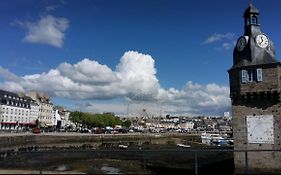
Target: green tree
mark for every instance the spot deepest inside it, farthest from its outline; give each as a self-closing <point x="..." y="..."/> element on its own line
<point x="126" y="124"/>
<point x="76" y="117"/>
<point x="94" y="120"/>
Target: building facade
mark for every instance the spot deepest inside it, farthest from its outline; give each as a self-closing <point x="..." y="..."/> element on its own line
<point x="61" y="117"/>
<point x="15" y="111"/>
<point x="18" y="111"/>
<point x="255" y="81"/>
<point x="45" y="115"/>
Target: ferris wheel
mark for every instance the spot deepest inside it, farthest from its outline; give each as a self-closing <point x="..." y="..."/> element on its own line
<point x="139" y="105"/>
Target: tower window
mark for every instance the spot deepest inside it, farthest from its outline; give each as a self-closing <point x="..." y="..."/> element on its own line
<point x="251" y="75"/>
<point x="259" y="74"/>
<point x="254" y="20"/>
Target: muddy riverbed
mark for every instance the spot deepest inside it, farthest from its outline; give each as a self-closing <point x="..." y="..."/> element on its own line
<point x="160" y="156"/>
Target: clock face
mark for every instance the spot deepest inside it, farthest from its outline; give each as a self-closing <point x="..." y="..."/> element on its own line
<point x="262" y="41"/>
<point x="241" y="43"/>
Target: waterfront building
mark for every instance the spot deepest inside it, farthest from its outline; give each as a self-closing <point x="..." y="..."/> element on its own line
<point x="61" y="117"/>
<point x="255" y="86"/>
<point x="57" y="118"/>
<point x="226" y="114"/>
<point x="34" y="110"/>
<point x="15" y="110"/>
<point x="187" y="125"/>
<point x="45" y="115"/>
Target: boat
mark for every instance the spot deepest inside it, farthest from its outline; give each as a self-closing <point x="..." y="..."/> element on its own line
<point x="183" y="146"/>
<point x="230" y="142"/>
<point x="123" y="146"/>
<point x="36" y="130"/>
<point x="213" y="138"/>
<point x="220" y="141"/>
<point x="207" y="137"/>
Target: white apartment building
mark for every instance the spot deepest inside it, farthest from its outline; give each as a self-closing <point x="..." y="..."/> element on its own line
<point x="34" y="111"/>
<point x="187" y="125"/>
<point x="14" y="111"/>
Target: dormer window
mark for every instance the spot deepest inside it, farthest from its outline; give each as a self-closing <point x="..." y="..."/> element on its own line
<point x="251" y="75"/>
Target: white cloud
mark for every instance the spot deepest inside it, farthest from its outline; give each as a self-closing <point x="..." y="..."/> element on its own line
<point x="217" y="37"/>
<point x="134" y="80"/>
<point x="51" y="7"/>
<point x="48" y="30"/>
<point x="88" y="72"/>
<point x="11" y="86"/>
<point x="197" y="99"/>
<point x="7" y="75"/>
<point x="226" y="46"/>
<point x="137" y="73"/>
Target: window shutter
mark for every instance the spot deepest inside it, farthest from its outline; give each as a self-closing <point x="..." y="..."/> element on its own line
<point x="259" y="74"/>
<point x="244" y="76"/>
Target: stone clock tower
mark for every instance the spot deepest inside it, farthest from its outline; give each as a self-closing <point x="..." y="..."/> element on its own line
<point x="255" y="83"/>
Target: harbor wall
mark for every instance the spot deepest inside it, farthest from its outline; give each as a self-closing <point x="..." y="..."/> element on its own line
<point x="18" y="140"/>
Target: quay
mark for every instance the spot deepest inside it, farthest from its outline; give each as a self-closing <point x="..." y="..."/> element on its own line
<point x="14" y="140"/>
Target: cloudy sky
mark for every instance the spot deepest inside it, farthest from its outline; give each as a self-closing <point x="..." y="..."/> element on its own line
<point x="167" y="56"/>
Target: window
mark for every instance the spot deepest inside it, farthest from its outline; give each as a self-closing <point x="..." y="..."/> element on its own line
<point x="254" y="20"/>
<point x="244" y="75"/>
<point x="259" y="74"/>
<point x="251" y="75"/>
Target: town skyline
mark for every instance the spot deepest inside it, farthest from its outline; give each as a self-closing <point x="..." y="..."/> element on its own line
<point x="108" y="56"/>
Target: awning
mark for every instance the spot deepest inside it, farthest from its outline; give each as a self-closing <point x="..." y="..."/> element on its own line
<point x="8" y="123"/>
<point x="15" y="123"/>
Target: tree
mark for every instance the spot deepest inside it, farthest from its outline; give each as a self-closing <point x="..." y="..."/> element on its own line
<point x="94" y="120"/>
<point x="127" y="124"/>
<point x="76" y="117"/>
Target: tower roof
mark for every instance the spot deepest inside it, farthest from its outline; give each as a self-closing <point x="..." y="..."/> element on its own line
<point x="251" y="10"/>
<point x="253" y="53"/>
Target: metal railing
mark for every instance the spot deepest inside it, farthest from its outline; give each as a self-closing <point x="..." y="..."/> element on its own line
<point x="195" y="161"/>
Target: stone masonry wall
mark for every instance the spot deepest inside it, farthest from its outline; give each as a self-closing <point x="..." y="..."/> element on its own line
<point x="256" y="98"/>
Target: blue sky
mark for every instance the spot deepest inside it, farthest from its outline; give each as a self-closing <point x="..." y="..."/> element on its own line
<point x="175" y="51"/>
